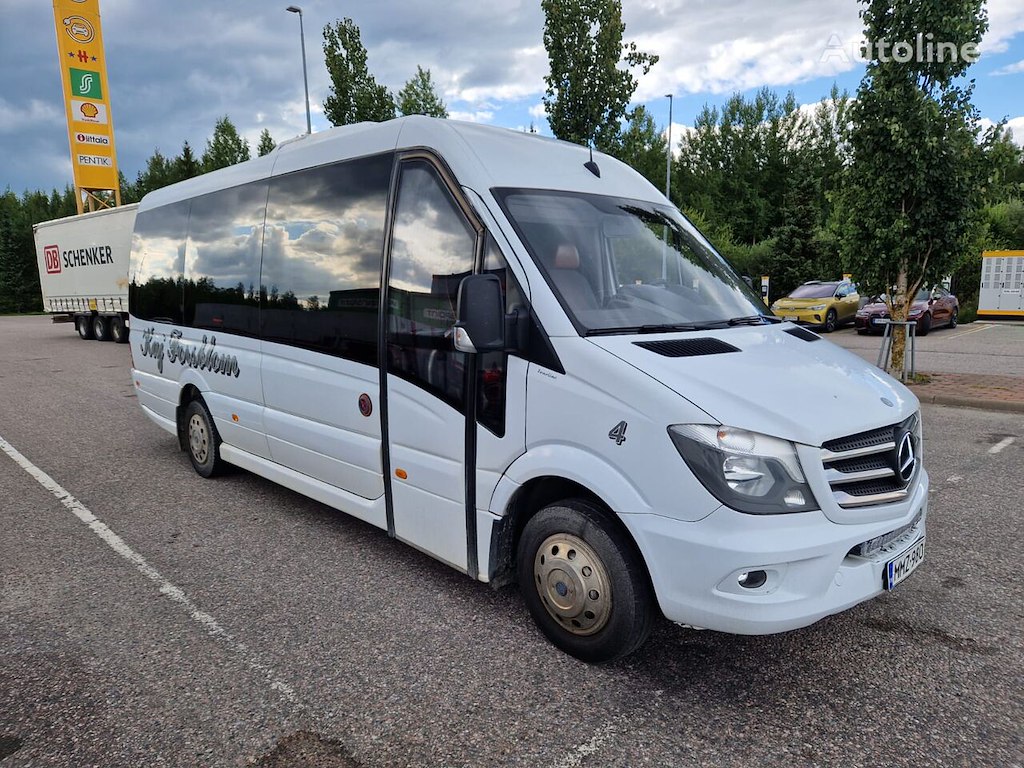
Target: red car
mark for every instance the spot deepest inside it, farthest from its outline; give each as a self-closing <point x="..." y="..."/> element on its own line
<point x="930" y="309"/>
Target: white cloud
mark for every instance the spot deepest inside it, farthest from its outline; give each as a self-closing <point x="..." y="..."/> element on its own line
<point x="1005" y="20"/>
<point x="14" y="117"/>
<point x="1016" y="126"/>
<point x="1011" y="69"/>
<point x="482" y="116"/>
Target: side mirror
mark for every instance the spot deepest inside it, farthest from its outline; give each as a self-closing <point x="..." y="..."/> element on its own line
<point x="481" y="310"/>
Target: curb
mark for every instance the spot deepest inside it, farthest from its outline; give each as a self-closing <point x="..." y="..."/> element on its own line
<point x="959" y="401"/>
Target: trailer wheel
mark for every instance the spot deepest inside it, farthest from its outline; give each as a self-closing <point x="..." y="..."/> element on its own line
<point x="202" y="440"/>
<point x="83" y="324"/>
<point x="584" y="582"/>
<point x="101" y="328"/>
<point x="118" y="330"/>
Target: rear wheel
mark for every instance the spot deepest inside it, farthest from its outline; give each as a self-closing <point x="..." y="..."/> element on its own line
<point x="201" y="440"/>
<point x="830" y="321"/>
<point x="584" y="582"/>
<point x="953" y="319"/>
<point x="118" y="330"/>
<point x="83" y="324"/>
<point x="101" y="328"/>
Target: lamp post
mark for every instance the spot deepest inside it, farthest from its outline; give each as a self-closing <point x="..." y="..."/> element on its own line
<point x="668" y="160"/>
<point x="305" y="79"/>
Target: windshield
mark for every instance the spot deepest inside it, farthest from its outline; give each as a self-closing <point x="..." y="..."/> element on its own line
<point x="815" y="291"/>
<point x="624" y="266"/>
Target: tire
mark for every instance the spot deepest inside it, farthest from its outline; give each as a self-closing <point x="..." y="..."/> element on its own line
<point x="83" y="324"/>
<point x="831" y="321"/>
<point x="101" y="328"/>
<point x="118" y="330"/>
<point x="924" y="325"/>
<point x="201" y="440"/>
<point x="584" y="582"/>
<point x="954" y="319"/>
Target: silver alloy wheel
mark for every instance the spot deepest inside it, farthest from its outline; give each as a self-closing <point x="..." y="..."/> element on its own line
<point x="573" y="584"/>
<point x="198" y="438"/>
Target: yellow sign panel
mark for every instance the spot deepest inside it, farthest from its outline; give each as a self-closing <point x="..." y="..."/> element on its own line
<point x="83" y="69"/>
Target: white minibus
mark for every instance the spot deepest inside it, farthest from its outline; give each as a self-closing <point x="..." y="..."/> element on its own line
<point x="518" y="357"/>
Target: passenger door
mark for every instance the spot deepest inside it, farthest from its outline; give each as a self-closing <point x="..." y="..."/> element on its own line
<point x="848" y="302"/>
<point x="428" y="385"/>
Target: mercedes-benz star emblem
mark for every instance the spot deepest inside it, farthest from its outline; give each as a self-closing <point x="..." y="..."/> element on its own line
<point x="906" y="461"/>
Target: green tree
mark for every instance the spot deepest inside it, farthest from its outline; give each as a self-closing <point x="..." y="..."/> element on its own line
<point x="912" y="191"/>
<point x="354" y="94"/>
<point x="159" y="172"/>
<point x="644" y="147"/>
<point x="19" y="274"/>
<point x="587" y="91"/>
<point x="267" y="143"/>
<point x="186" y="166"/>
<point x="419" y="97"/>
<point x="225" y="148"/>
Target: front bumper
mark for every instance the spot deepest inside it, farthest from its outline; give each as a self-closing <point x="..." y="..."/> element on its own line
<point x="810" y="571"/>
<point x="802" y="316"/>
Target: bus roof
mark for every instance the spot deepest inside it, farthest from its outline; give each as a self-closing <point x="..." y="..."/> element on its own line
<point x="480" y="156"/>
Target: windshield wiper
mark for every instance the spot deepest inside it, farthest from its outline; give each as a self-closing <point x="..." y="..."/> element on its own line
<point x="755" y="320"/>
<point x="658" y="328"/>
<point x="670" y="327"/>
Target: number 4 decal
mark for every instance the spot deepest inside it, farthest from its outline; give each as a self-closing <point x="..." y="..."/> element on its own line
<point x="618" y="433"/>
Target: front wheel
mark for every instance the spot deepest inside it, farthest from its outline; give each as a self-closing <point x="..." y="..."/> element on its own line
<point x="830" y="321"/>
<point x="953" y="319"/>
<point x="924" y="325"/>
<point x="202" y="440"/>
<point x="584" y="582"/>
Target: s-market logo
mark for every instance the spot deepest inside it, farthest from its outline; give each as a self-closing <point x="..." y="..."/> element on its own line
<point x="51" y="255"/>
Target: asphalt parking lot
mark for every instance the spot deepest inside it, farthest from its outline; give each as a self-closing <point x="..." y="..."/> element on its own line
<point x="978" y="348"/>
<point x="150" y="617"/>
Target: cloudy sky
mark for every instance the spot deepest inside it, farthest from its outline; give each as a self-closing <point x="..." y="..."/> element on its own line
<point x="176" y="67"/>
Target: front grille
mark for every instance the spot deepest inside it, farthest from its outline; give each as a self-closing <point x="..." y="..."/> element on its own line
<point x="865" y="469"/>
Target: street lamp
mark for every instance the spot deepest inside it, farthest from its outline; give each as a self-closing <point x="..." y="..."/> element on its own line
<point x="668" y="160"/>
<point x="305" y="79"/>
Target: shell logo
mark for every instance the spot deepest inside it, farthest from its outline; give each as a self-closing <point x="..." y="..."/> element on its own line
<point x="90" y="110"/>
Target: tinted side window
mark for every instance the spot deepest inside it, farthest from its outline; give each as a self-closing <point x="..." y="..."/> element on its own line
<point x="222" y="260"/>
<point x="158" y="254"/>
<point x="492" y="366"/>
<point x="322" y="257"/>
<point x="432" y="250"/>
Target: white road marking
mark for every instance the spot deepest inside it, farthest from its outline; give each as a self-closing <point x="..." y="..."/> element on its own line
<point x="575" y="758"/>
<point x="166" y="588"/>
<point x="1001" y="444"/>
<point x="954" y="479"/>
<point x="965" y="333"/>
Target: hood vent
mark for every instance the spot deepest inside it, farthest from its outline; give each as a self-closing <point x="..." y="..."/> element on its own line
<point x="688" y="347"/>
<point x="803" y="333"/>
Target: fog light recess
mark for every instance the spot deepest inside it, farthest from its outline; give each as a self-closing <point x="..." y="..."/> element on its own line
<point x="752" y="579"/>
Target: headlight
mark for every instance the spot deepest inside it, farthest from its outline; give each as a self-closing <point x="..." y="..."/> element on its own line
<point x="747" y="471"/>
<point x="817" y="307"/>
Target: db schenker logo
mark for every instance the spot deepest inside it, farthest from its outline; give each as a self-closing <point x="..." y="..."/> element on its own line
<point x="51" y="254"/>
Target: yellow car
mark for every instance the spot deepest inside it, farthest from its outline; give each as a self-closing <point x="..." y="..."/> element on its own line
<point x="824" y="304"/>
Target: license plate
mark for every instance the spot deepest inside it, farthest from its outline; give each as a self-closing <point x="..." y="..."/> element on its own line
<point x="876" y="321"/>
<point x="898" y="569"/>
<point x="791" y="318"/>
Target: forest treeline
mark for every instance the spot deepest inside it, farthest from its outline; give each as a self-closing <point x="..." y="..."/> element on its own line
<point x="781" y="189"/>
